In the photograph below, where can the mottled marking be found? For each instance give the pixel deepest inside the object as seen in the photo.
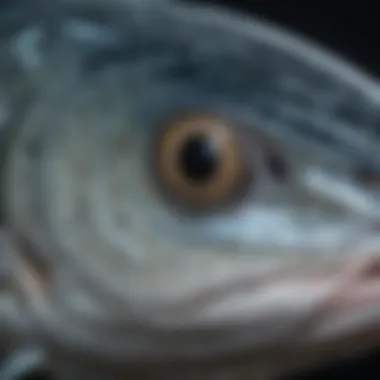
(88, 31)
(259, 82)
(27, 48)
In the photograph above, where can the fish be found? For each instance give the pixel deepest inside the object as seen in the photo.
(186, 192)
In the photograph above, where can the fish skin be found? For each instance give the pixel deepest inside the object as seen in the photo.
(241, 306)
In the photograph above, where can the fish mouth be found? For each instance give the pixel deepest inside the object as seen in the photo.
(294, 316)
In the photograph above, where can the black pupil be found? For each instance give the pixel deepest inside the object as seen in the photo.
(199, 158)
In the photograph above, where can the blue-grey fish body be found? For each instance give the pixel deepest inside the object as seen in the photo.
(115, 279)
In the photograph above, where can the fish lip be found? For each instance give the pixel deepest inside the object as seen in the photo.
(288, 308)
(342, 306)
(347, 324)
(354, 308)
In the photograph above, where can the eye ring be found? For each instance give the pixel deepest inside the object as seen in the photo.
(199, 161)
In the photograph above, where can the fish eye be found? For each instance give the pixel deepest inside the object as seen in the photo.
(200, 161)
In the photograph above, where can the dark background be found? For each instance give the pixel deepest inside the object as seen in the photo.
(349, 27)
